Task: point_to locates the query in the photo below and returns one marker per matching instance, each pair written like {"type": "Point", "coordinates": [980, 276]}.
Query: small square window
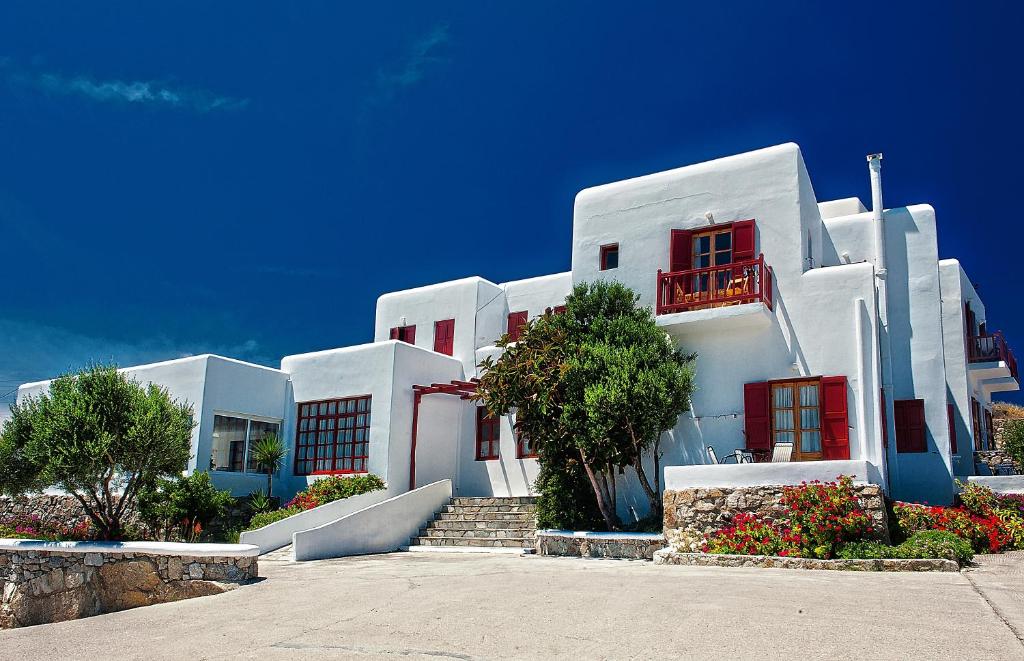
{"type": "Point", "coordinates": [610, 256]}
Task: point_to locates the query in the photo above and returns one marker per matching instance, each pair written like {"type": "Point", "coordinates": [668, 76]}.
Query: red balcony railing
{"type": "Point", "coordinates": [989, 349]}
{"type": "Point", "coordinates": [715, 286]}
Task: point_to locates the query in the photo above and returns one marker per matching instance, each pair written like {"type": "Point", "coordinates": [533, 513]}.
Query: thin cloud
{"type": "Point", "coordinates": [411, 70]}
{"type": "Point", "coordinates": [33, 352]}
{"type": "Point", "coordinates": [150, 93]}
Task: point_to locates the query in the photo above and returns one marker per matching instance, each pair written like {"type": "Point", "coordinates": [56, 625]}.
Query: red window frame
{"type": "Point", "coordinates": [332, 436]}
{"type": "Point", "coordinates": [488, 435]}
{"type": "Point", "coordinates": [558, 309]}
{"type": "Point", "coordinates": [606, 251]}
{"type": "Point", "coordinates": [911, 430]}
{"type": "Point", "coordinates": [405, 334]}
{"type": "Point", "coordinates": [990, 437]}
{"type": "Point", "coordinates": [523, 448]}
{"type": "Point", "coordinates": [516, 320]}
{"type": "Point", "coordinates": [976, 423]}
{"type": "Point", "coordinates": [444, 336]}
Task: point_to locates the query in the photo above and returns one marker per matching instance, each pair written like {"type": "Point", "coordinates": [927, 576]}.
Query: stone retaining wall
{"type": "Point", "coordinates": [994, 458]}
{"type": "Point", "coordinates": [51, 509]}
{"type": "Point", "coordinates": [707, 509]}
{"type": "Point", "coordinates": [40, 586]}
{"type": "Point", "coordinates": [599, 545]}
{"type": "Point", "coordinates": [670, 557]}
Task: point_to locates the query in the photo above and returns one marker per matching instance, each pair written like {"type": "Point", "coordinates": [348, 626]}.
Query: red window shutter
{"type": "Point", "coordinates": [394, 333]}
{"type": "Point", "coordinates": [515, 322]}
{"type": "Point", "coordinates": [558, 309]}
{"type": "Point", "coordinates": [910, 426]}
{"type": "Point", "coordinates": [743, 241]}
{"type": "Point", "coordinates": [835, 426]}
{"type": "Point", "coordinates": [681, 251]}
{"type": "Point", "coordinates": [444, 336]}
{"type": "Point", "coordinates": [757, 415]}
{"type": "Point", "coordinates": [952, 427]}
{"type": "Point", "coordinates": [410, 334]}
{"type": "Point", "coordinates": [989, 436]}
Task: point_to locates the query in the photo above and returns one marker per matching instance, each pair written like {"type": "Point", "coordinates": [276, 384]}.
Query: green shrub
{"type": "Point", "coordinates": [266, 518]}
{"type": "Point", "coordinates": [935, 544]}
{"type": "Point", "coordinates": [183, 507]}
{"type": "Point", "coordinates": [865, 550]}
{"type": "Point", "coordinates": [977, 499]}
{"type": "Point", "coordinates": [1013, 440]}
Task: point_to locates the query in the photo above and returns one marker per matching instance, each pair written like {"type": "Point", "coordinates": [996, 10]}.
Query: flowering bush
{"type": "Point", "coordinates": [823, 516]}
{"type": "Point", "coordinates": [321, 492]}
{"type": "Point", "coordinates": [748, 535]}
{"type": "Point", "coordinates": [990, 522]}
{"type": "Point", "coordinates": [33, 527]}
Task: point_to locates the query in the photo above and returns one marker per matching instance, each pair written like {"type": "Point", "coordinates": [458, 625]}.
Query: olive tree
{"type": "Point", "coordinates": [100, 437]}
{"type": "Point", "coordinates": [593, 389]}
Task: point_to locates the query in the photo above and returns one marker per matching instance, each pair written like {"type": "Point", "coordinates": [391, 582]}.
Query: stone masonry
{"type": "Point", "coordinates": [705, 510]}
{"type": "Point", "coordinates": [626, 546]}
{"type": "Point", "coordinates": [994, 459]}
{"type": "Point", "coordinates": [39, 587]}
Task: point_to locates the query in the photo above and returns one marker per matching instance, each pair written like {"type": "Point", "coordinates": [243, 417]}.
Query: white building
{"type": "Point", "coordinates": [817, 323]}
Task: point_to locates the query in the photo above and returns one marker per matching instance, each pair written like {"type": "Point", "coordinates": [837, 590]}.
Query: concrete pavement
{"type": "Point", "coordinates": [468, 606]}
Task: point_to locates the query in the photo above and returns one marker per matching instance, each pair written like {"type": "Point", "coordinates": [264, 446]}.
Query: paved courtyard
{"type": "Point", "coordinates": [469, 606]}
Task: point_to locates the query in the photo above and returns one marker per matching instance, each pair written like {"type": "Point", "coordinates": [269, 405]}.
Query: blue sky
{"type": "Point", "coordinates": [246, 178]}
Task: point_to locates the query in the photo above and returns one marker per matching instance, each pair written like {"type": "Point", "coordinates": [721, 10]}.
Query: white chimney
{"type": "Point", "coordinates": [875, 168]}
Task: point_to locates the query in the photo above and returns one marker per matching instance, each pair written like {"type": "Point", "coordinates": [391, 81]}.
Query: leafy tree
{"type": "Point", "coordinates": [593, 388]}
{"type": "Point", "coordinates": [1013, 440]}
{"type": "Point", "coordinates": [186, 505]}
{"type": "Point", "coordinates": [99, 436]}
{"type": "Point", "coordinates": [269, 452]}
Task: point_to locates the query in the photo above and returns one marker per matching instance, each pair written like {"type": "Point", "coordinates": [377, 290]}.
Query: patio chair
{"type": "Point", "coordinates": [1006, 469]}
{"type": "Point", "coordinates": [782, 453]}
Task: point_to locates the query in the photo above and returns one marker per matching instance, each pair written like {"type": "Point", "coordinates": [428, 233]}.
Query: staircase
{"type": "Point", "coordinates": [482, 522]}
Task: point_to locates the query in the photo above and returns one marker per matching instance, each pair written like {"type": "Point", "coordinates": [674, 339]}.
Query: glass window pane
{"type": "Point", "coordinates": [228, 448]}
{"type": "Point", "coordinates": [782, 396]}
{"type": "Point", "coordinates": [784, 437]}
{"type": "Point", "coordinates": [809, 394]}
{"type": "Point", "coordinates": [723, 241]}
{"type": "Point", "coordinates": [810, 441]}
{"type": "Point", "coordinates": [809, 418]}
{"type": "Point", "coordinates": [783, 420]}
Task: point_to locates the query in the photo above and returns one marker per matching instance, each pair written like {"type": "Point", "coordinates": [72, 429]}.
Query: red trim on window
{"type": "Point", "coordinates": [989, 436]}
{"type": "Point", "coordinates": [908, 415]}
{"type": "Point", "coordinates": [607, 251]}
{"type": "Point", "coordinates": [951, 415]}
{"type": "Point", "coordinates": [680, 250]}
{"type": "Point", "coordinates": [757, 415]}
{"type": "Point", "coordinates": [488, 435]}
{"type": "Point", "coordinates": [976, 422]}
{"type": "Point", "coordinates": [835, 424]}
{"type": "Point", "coordinates": [558, 309]}
{"type": "Point", "coordinates": [444, 336]}
{"type": "Point", "coordinates": [332, 436]}
{"type": "Point", "coordinates": [516, 320]}
{"type": "Point", "coordinates": [404, 334]}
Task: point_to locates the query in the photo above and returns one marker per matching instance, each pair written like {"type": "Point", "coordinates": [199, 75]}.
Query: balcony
{"type": "Point", "coordinates": [715, 293]}
{"type": "Point", "coordinates": [991, 361]}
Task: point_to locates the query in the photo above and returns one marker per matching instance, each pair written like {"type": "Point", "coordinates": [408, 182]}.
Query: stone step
{"type": "Point", "coordinates": [504, 533]}
{"type": "Point", "coordinates": [462, 541]}
{"type": "Point", "coordinates": [494, 500]}
{"type": "Point", "coordinates": [484, 509]}
{"type": "Point", "coordinates": [485, 516]}
{"type": "Point", "coordinates": [449, 524]}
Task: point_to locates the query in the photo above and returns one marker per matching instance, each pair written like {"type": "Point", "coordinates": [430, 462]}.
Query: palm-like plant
{"type": "Point", "coordinates": [268, 452]}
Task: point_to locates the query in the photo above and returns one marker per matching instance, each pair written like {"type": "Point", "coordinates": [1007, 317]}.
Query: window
{"type": "Point", "coordinates": [976, 423]}
{"type": "Point", "coordinates": [332, 436]}
{"type": "Point", "coordinates": [444, 336]}
{"type": "Point", "coordinates": [524, 448]}
{"type": "Point", "coordinates": [404, 334]}
{"type": "Point", "coordinates": [488, 435]}
{"type": "Point", "coordinates": [908, 417]}
{"type": "Point", "coordinates": [811, 413]}
{"type": "Point", "coordinates": [712, 249]}
{"type": "Point", "coordinates": [796, 418]}
{"type": "Point", "coordinates": [610, 256]}
{"type": "Point", "coordinates": [233, 437]}
{"type": "Point", "coordinates": [516, 320]}
{"type": "Point", "coordinates": [990, 439]}
{"type": "Point", "coordinates": [558, 309]}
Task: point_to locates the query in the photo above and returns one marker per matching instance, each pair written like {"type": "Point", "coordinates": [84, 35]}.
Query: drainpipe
{"type": "Point", "coordinates": [884, 346]}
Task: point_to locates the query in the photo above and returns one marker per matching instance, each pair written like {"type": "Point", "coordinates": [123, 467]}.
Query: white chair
{"type": "Point", "coordinates": [712, 456]}
{"type": "Point", "coordinates": [782, 453]}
